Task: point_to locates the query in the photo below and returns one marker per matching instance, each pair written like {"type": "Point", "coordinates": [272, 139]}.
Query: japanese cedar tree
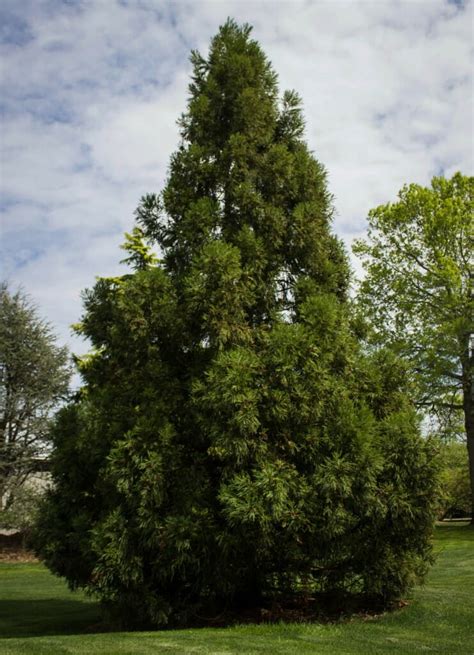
{"type": "Point", "coordinates": [232, 444]}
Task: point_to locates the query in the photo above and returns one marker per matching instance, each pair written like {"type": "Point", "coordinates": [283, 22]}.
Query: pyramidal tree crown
{"type": "Point", "coordinates": [244, 191]}
{"type": "Point", "coordinates": [233, 444]}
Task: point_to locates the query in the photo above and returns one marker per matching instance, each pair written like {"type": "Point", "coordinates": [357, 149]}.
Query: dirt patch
{"type": "Point", "coordinates": [321, 608]}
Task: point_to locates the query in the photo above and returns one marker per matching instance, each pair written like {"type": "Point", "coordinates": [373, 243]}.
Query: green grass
{"type": "Point", "coordinates": [38, 615]}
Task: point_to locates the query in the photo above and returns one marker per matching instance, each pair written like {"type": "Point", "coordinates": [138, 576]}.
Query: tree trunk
{"type": "Point", "coordinates": [468, 406]}
{"type": "Point", "coordinates": [469, 423]}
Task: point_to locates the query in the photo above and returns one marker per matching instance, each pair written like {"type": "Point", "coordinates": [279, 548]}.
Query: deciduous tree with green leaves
{"type": "Point", "coordinates": [419, 293]}
{"type": "Point", "coordinates": [232, 445]}
{"type": "Point", "coordinates": [34, 377]}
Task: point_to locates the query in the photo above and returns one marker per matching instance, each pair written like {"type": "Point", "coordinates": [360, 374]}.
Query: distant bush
{"type": "Point", "coordinates": [455, 485]}
{"type": "Point", "coordinates": [21, 514]}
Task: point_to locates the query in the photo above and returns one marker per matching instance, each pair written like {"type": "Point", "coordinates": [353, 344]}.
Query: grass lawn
{"type": "Point", "coordinates": [38, 615]}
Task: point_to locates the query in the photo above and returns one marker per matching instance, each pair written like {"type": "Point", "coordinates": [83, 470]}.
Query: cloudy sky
{"type": "Point", "coordinates": [92, 90]}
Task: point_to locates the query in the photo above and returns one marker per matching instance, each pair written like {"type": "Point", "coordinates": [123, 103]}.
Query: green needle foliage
{"type": "Point", "coordinates": [232, 445]}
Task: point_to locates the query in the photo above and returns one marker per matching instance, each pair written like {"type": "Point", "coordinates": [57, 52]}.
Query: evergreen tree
{"type": "Point", "coordinates": [232, 444]}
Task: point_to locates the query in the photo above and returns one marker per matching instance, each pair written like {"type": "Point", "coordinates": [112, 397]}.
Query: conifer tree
{"type": "Point", "coordinates": [232, 444]}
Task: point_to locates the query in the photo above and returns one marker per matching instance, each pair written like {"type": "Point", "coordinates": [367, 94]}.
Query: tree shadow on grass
{"type": "Point", "coordinates": [35, 618]}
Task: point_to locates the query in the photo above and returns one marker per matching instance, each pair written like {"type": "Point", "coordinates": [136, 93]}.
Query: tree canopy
{"type": "Point", "coordinates": [34, 377]}
{"type": "Point", "coordinates": [232, 445]}
{"type": "Point", "coordinates": [419, 293]}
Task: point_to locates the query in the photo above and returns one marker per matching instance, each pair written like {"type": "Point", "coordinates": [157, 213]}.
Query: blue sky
{"type": "Point", "coordinates": [92, 90]}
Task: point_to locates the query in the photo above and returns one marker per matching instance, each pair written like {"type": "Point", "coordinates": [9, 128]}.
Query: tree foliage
{"type": "Point", "coordinates": [231, 443]}
{"type": "Point", "coordinates": [34, 376]}
{"type": "Point", "coordinates": [418, 291]}
{"type": "Point", "coordinates": [455, 484]}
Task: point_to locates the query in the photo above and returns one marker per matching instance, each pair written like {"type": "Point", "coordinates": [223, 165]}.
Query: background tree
{"type": "Point", "coordinates": [34, 376]}
{"type": "Point", "coordinates": [232, 444]}
{"type": "Point", "coordinates": [418, 290]}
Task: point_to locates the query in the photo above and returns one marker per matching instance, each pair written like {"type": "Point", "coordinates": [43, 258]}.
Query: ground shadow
{"type": "Point", "coordinates": [35, 618]}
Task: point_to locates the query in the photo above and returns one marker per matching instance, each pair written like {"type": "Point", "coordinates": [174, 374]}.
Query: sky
{"type": "Point", "coordinates": [91, 91]}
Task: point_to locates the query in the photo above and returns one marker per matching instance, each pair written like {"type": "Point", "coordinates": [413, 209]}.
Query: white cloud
{"type": "Point", "coordinates": [134, 141]}
{"type": "Point", "coordinates": [92, 91]}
